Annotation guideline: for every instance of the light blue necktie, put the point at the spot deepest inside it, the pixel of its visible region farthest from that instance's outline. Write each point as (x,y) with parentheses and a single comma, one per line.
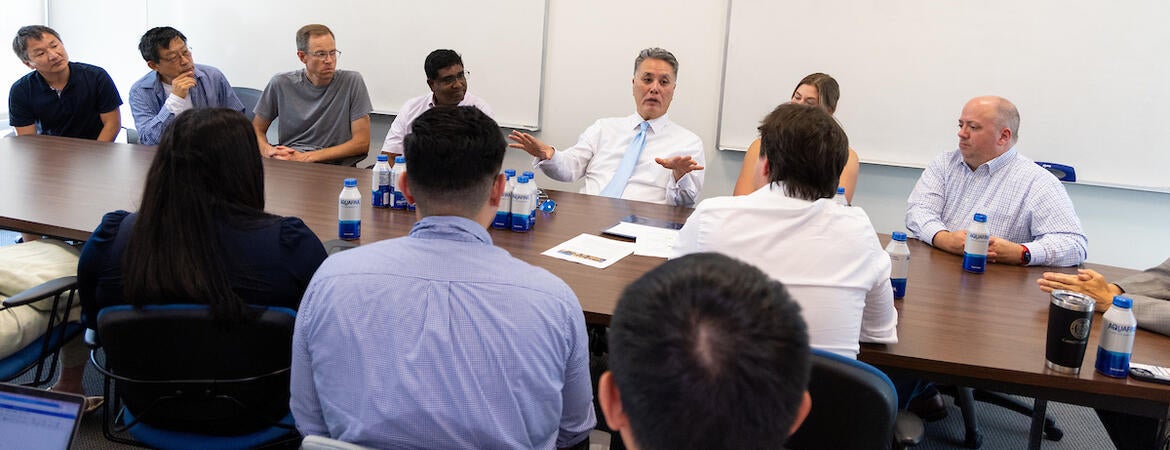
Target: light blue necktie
(617,184)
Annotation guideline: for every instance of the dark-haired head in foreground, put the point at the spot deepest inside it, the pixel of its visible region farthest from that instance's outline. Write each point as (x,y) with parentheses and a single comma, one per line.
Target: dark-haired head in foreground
(706,352)
(454,155)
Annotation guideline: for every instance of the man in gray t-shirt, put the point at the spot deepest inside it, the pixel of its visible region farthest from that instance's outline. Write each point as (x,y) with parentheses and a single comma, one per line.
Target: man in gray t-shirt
(324,112)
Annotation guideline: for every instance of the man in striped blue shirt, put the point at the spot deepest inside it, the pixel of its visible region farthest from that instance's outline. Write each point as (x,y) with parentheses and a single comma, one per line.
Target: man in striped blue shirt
(1031,218)
(440,339)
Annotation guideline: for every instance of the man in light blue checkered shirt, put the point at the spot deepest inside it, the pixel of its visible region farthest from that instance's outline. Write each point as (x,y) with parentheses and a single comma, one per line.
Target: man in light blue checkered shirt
(1031,217)
(439,339)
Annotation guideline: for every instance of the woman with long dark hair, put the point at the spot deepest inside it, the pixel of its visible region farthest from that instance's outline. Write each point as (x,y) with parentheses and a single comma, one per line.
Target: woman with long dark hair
(201,234)
(816,89)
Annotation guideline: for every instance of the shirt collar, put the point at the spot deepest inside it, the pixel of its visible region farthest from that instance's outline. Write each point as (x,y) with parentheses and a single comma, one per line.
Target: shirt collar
(993,165)
(73,77)
(1001,161)
(465,102)
(775,192)
(452,228)
(656,125)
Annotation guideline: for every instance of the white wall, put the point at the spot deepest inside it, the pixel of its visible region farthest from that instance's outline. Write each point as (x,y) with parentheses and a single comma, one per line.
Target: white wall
(14,16)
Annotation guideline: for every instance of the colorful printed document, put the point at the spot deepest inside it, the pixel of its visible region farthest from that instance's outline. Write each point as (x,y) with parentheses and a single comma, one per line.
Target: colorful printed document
(590,250)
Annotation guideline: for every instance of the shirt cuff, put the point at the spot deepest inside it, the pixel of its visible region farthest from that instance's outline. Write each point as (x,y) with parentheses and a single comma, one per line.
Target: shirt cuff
(928,231)
(176,105)
(1039,253)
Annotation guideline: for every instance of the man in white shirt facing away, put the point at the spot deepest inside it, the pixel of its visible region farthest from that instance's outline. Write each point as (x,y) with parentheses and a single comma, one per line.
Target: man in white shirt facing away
(827,254)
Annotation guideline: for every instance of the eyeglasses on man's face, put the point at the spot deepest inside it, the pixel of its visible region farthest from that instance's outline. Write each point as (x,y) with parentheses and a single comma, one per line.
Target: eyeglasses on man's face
(322,54)
(450,80)
(178,56)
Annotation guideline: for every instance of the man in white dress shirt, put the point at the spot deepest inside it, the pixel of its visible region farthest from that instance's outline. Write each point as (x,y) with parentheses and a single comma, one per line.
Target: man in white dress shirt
(448,82)
(644,156)
(828,255)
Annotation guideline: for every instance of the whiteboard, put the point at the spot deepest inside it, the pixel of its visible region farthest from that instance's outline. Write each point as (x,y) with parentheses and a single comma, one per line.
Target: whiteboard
(502,43)
(1091,79)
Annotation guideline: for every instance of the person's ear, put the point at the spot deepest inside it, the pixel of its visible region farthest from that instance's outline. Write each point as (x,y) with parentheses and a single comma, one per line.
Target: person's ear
(802,412)
(152,65)
(497,191)
(611,403)
(1005,136)
(405,186)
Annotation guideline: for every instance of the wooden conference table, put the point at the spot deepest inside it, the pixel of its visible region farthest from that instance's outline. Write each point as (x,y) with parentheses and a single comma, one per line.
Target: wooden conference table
(985,331)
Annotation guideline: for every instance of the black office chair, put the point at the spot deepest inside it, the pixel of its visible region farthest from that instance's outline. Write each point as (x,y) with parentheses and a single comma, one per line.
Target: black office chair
(55,296)
(249,97)
(965,399)
(177,378)
(854,406)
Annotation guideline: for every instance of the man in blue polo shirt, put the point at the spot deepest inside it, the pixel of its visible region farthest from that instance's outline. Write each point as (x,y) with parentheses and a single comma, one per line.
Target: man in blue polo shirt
(175,84)
(60,98)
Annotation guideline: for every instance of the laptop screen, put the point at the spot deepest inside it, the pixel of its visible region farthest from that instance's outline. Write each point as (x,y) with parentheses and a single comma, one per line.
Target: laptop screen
(35,419)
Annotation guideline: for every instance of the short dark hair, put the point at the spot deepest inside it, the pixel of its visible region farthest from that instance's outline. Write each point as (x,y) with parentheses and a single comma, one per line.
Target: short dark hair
(453,155)
(206,172)
(308,31)
(20,42)
(828,91)
(439,60)
(806,150)
(156,39)
(709,352)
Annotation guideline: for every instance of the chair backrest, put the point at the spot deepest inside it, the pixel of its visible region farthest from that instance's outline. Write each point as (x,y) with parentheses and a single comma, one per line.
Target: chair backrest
(178,368)
(249,97)
(854,406)
(131,135)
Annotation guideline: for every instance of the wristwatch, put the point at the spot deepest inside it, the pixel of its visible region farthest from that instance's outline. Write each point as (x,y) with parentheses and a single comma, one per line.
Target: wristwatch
(1026,257)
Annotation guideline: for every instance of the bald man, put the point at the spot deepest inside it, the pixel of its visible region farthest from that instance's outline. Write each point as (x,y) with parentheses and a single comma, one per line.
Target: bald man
(1031,217)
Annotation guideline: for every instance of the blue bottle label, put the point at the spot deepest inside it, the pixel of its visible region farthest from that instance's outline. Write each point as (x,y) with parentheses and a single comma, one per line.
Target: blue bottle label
(1112,364)
(399,200)
(974,263)
(899,285)
(381,197)
(349,229)
(521,223)
(502,221)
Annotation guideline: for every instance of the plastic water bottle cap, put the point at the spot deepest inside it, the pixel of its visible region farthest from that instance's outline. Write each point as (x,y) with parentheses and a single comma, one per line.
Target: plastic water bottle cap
(980,217)
(399,159)
(899,236)
(1122,301)
(522,179)
(841,190)
(529,174)
(510,172)
(351,182)
(548,205)
(383,157)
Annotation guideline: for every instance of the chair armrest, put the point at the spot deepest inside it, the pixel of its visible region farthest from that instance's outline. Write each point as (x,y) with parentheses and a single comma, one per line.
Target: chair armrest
(908,429)
(42,291)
